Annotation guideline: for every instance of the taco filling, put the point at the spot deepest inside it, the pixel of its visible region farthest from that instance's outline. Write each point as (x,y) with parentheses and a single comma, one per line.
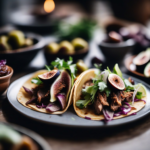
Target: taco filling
(50,91)
(106,95)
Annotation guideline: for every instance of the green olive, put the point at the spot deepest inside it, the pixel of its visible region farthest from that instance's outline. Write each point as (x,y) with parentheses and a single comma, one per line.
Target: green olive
(79,43)
(52,48)
(3,43)
(81,66)
(28,42)
(66,47)
(16,39)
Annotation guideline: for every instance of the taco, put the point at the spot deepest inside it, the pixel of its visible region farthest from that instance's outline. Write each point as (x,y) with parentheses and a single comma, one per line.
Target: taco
(107,95)
(51,90)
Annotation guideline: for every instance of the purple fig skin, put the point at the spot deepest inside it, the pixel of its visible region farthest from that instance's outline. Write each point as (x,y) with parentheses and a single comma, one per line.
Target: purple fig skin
(115,82)
(53,107)
(50,76)
(62,99)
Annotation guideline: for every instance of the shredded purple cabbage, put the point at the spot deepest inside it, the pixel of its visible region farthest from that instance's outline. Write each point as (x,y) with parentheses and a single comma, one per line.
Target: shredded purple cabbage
(133,114)
(30,92)
(41,106)
(87,118)
(136,100)
(108,114)
(2,62)
(123,110)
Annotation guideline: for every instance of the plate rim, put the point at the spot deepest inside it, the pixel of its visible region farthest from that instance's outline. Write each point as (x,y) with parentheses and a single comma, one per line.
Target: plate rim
(33,135)
(73,125)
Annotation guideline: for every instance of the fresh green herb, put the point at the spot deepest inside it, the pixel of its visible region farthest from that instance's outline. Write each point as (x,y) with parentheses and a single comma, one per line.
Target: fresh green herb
(83,29)
(82,103)
(98,66)
(108,70)
(102,85)
(48,68)
(61,64)
(36,81)
(129,86)
(139,95)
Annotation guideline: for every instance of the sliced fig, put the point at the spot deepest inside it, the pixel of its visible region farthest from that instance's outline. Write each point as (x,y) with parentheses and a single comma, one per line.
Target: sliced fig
(50,76)
(62,100)
(52,107)
(61,85)
(114,37)
(141,60)
(147,70)
(116,82)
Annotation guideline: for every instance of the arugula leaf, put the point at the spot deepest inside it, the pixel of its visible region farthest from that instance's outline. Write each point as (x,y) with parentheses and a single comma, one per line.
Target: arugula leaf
(108,91)
(139,95)
(36,81)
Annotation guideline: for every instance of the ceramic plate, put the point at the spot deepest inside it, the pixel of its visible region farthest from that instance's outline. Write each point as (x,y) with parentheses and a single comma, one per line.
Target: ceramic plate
(41,143)
(69,118)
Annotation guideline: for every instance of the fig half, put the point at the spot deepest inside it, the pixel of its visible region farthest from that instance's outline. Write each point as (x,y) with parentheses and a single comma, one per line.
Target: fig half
(141,60)
(61,85)
(116,82)
(50,76)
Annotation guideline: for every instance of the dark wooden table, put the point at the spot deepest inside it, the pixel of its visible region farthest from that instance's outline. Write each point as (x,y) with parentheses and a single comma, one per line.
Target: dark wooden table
(131,136)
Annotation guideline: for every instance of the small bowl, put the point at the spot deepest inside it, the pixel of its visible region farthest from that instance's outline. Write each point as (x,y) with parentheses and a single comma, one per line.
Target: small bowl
(116,51)
(77,55)
(5,81)
(20,58)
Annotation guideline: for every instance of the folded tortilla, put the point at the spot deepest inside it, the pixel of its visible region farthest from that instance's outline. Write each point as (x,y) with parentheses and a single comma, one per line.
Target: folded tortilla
(23,97)
(89,112)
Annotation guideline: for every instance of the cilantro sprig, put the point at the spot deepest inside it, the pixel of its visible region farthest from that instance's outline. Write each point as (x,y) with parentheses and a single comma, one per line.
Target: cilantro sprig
(61,64)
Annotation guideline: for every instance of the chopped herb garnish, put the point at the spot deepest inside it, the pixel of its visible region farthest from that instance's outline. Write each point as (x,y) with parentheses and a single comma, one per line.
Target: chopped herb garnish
(61,64)
(36,81)
(129,86)
(98,66)
(73,118)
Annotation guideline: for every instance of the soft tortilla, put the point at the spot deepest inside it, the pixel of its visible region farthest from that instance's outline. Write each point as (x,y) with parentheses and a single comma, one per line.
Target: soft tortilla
(23,97)
(87,112)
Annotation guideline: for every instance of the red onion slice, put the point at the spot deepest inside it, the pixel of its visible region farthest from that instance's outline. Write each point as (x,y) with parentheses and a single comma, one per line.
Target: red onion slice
(136,100)
(52,107)
(30,92)
(62,100)
(108,114)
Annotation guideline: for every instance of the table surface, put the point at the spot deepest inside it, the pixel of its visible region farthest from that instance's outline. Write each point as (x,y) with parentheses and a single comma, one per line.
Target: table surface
(134,135)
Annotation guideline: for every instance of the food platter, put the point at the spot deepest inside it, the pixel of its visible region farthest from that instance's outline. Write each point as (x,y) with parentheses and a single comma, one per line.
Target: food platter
(69,118)
(41,143)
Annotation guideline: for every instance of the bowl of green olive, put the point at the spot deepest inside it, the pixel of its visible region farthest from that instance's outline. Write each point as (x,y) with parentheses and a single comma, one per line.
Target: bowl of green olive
(78,48)
(19,48)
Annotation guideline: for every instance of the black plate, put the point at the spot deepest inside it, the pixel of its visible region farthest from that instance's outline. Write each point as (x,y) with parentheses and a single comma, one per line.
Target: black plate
(70,118)
(41,143)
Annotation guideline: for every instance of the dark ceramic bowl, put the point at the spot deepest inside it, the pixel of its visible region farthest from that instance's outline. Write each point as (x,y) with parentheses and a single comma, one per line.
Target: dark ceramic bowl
(77,55)
(116,51)
(20,58)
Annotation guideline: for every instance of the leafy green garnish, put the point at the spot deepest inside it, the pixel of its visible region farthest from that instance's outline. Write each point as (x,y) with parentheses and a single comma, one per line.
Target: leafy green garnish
(83,29)
(108,70)
(98,66)
(129,86)
(82,103)
(61,64)
(139,95)
(36,81)
(48,68)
